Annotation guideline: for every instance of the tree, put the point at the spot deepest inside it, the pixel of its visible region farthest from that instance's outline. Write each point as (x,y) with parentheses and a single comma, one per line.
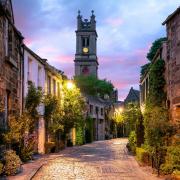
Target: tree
(131,114)
(53,114)
(73,107)
(93,86)
(150,55)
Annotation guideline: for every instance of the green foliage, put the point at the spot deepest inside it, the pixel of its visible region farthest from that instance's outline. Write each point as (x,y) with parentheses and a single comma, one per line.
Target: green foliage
(132,141)
(89,130)
(79,135)
(12,163)
(93,86)
(53,113)
(157,133)
(18,126)
(157,82)
(156,124)
(172,162)
(142,155)
(155,46)
(145,68)
(73,108)
(33,100)
(20,129)
(131,115)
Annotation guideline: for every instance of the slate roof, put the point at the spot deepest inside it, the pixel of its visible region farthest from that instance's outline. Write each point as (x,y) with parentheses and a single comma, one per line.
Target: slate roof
(171,15)
(133,96)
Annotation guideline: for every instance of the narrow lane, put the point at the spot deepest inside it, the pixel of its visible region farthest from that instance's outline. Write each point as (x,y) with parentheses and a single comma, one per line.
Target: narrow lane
(103,160)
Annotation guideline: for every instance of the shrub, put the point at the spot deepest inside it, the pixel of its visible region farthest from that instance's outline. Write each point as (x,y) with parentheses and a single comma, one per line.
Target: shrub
(89,130)
(1,168)
(12,163)
(172,162)
(142,155)
(27,150)
(79,135)
(132,141)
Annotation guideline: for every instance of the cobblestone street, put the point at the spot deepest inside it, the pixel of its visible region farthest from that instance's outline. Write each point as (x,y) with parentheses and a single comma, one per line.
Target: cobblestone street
(103,160)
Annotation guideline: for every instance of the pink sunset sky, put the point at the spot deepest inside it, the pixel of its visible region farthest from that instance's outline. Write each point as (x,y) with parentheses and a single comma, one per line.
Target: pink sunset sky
(126,30)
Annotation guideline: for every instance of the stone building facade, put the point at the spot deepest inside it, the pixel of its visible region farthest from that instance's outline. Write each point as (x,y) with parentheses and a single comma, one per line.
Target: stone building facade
(173,64)
(10,64)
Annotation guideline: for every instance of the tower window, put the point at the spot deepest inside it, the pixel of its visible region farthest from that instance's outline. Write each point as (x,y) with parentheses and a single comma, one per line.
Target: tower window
(85,41)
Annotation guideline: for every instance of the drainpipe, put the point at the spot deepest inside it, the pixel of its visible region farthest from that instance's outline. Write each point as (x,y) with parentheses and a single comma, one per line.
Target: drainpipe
(22,78)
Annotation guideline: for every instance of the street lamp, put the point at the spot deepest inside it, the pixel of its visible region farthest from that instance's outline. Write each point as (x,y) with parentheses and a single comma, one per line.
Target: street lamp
(70,85)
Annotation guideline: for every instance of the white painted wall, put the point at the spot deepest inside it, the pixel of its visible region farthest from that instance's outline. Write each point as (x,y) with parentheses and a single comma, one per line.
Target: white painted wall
(35,72)
(36,76)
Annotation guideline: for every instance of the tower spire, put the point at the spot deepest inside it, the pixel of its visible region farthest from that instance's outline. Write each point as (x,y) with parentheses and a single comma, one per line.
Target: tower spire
(93,21)
(79,20)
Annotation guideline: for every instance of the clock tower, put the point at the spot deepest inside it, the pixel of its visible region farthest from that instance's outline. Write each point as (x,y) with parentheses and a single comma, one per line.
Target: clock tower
(86,62)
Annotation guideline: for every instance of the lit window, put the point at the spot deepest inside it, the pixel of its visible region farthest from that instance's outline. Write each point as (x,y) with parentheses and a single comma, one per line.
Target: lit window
(49,85)
(54,86)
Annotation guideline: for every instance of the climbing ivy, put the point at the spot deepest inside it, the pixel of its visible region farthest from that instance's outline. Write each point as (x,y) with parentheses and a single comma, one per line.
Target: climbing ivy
(155,46)
(157,82)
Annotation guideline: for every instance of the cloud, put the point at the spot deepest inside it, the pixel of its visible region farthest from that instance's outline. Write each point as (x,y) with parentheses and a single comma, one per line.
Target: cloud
(114,21)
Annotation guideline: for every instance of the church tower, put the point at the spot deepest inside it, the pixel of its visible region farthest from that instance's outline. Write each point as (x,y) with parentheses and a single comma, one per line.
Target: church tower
(86,62)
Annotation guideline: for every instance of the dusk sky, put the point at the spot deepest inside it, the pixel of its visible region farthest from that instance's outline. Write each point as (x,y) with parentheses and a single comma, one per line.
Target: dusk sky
(126,29)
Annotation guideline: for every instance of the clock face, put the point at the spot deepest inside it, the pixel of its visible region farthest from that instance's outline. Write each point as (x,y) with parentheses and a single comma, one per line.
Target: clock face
(85,50)
(85,70)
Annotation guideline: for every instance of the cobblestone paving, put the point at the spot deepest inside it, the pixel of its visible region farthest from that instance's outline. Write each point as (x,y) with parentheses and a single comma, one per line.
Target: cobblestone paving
(103,160)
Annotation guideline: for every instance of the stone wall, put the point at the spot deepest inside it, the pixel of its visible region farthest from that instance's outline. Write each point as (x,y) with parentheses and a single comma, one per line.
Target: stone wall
(173,66)
(10,70)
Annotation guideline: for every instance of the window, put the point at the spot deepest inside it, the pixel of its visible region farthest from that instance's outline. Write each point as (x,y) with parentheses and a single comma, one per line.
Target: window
(85,41)
(58,89)
(39,76)
(29,69)
(10,41)
(91,109)
(97,110)
(49,85)
(54,86)
(102,112)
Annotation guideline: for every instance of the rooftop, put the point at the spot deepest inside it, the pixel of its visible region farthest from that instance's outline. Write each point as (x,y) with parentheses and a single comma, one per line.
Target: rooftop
(171,16)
